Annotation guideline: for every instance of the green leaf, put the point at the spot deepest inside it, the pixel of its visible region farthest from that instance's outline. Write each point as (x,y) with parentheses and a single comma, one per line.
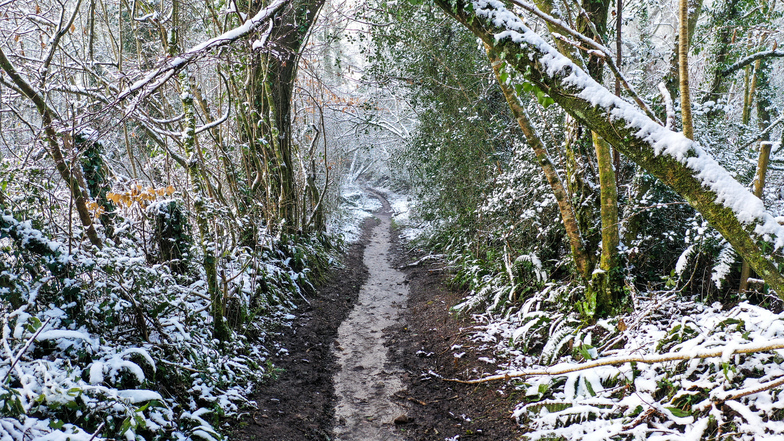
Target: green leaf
(590,388)
(680,413)
(74,391)
(125,426)
(56,424)
(543,389)
(584,351)
(33,324)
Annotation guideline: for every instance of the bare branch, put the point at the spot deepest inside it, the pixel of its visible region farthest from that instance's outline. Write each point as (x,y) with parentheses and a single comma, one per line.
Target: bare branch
(171,66)
(752,58)
(565,368)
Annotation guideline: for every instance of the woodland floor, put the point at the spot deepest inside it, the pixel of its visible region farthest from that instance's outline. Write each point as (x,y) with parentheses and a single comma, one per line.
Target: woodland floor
(300,403)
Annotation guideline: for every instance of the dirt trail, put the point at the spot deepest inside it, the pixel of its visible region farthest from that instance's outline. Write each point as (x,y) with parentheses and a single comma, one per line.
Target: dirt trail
(366,346)
(366,382)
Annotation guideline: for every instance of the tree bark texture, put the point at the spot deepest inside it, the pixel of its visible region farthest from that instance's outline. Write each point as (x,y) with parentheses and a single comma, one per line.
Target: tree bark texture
(607,284)
(683,68)
(274,71)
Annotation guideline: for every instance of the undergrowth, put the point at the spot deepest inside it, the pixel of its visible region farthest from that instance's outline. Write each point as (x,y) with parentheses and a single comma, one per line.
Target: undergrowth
(105,344)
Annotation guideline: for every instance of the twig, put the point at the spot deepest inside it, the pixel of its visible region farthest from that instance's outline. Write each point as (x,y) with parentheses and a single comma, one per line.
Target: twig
(733,395)
(642,417)
(97,431)
(647,359)
(18,355)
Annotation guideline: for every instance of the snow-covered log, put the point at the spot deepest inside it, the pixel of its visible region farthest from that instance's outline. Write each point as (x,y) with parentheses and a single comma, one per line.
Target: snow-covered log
(671,157)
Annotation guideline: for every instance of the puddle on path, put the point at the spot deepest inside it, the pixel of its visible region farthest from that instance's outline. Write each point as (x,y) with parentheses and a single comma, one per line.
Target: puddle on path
(364,385)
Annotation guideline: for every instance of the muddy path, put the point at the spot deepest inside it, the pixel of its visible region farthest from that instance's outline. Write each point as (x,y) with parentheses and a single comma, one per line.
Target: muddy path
(358,363)
(366,381)
(298,404)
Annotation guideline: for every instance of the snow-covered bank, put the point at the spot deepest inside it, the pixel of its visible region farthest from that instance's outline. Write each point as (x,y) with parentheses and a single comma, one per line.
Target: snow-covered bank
(683,400)
(106,344)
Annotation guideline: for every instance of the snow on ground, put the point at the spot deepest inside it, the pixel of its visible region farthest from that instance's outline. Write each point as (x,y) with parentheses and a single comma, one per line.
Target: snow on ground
(672,400)
(139,359)
(355,206)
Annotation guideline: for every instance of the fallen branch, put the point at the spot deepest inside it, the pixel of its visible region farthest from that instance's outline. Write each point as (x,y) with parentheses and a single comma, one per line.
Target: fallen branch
(565,368)
(423,260)
(751,390)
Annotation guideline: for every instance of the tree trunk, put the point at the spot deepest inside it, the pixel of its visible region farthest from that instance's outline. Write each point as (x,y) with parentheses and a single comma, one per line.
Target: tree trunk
(582,153)
(608,281)
(670,80)
(79,194)
(683,68)
(582,259)
(678,162)
(270,90)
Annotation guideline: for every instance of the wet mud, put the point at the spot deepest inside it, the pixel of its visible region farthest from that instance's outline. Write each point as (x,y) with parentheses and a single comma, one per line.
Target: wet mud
(364,360)
(367,382)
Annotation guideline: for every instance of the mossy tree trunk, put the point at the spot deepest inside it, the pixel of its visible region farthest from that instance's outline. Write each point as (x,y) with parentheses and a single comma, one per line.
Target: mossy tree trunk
(591,206)
(676,161)
(582,258)
(220,329)
(267,123)
(761,88)
(607,284)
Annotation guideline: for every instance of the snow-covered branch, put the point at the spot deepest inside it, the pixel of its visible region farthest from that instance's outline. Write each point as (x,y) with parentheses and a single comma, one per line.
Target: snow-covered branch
(676,160)
(740,64)
(598,49)
(171,66)
(567,368)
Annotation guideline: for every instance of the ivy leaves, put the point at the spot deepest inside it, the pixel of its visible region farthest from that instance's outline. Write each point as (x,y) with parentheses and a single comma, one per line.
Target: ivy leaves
(541,96)
(526,86)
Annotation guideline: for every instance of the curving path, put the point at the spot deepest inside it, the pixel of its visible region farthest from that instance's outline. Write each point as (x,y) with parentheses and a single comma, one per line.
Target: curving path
(365,380)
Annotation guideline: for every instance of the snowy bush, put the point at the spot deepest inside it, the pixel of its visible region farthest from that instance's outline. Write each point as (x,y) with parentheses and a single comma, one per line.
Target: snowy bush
(105,344)
(733,392)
